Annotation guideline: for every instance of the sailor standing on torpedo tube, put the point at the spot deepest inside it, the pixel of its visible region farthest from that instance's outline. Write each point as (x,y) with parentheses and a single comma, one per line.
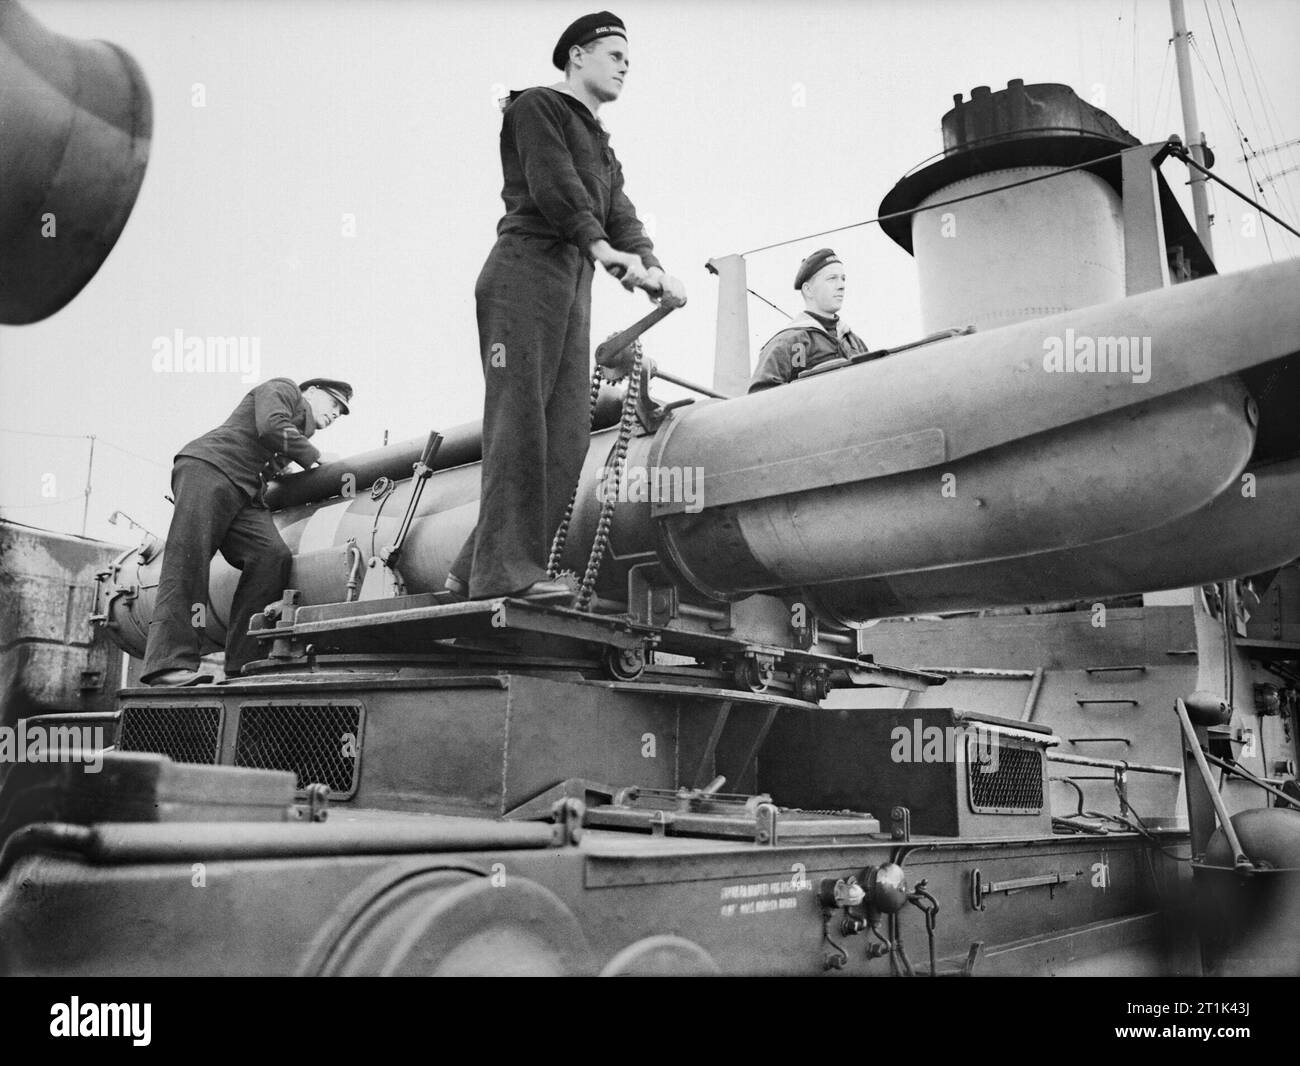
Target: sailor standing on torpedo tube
(565,208)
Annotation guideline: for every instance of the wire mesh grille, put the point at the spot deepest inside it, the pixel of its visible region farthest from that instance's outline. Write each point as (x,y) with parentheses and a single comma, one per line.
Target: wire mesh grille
(1004,778)
(183,732)
(319,742)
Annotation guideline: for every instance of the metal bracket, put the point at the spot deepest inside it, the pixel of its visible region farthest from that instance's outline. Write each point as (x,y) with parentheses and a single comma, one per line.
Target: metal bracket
(356,559)
(651,597)
(765,819)
(569,814)
(807,636)
(650,414)
(277,616)
(900,824)
(381,582)
(754,670)
(1140,667)
(722,620)
(979,888)
(1121,790)
(544,806)
(107,588)
(1146,266)
(812,684)
(318,801)
(1192,744)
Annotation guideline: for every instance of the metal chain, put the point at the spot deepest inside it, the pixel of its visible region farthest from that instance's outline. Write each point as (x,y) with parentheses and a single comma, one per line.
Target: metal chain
(609,497)
(600,544)
(562,531)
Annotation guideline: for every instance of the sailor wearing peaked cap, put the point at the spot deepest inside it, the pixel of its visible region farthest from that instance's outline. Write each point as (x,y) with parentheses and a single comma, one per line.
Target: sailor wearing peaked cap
(815,336)
(217,486)
(584,31)
(340,390)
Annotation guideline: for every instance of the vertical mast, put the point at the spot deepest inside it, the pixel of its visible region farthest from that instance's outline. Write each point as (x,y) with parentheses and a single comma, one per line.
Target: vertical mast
(1191,124)
(731,350)
(90,470)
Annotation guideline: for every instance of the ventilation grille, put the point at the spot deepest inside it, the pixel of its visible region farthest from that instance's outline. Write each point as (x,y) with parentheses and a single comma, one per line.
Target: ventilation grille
(183,732)
(319,742)
(1004,778)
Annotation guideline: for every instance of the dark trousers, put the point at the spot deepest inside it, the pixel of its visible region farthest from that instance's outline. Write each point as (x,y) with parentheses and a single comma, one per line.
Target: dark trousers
(212,514)
(534,324)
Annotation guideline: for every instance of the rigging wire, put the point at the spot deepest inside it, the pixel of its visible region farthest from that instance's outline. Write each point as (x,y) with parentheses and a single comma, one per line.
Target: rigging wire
(33,433)
(1254,120)
(1266,105)
(1160,91)
(45,503)
(1267,176)
(1265,165)
(769,303)
(1137,96)
(1281,191)
(1185,156)
(1115,46)
(81,497)
(1266,100)
(1179,152)
(134,455)
(891,215)
(86,436)
(941,203)
(1230,114)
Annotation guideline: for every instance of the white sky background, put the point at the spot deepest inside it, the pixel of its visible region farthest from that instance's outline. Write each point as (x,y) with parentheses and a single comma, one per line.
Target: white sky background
(385,110)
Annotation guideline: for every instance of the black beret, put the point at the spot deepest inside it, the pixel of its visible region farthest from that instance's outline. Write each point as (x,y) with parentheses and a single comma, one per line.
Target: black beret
(340,390)
(585,30)
(814,263)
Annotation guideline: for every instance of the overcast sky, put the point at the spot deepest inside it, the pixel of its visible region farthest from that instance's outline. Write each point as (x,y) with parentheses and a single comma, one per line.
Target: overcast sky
(742,124)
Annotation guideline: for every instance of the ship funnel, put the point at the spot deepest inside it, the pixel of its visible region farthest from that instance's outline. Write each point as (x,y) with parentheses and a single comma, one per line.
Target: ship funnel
(1041,248)
(76,119)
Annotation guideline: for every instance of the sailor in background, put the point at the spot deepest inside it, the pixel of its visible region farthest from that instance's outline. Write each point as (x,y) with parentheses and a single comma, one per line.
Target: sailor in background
(565,208)
(217,483)
(816,335)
